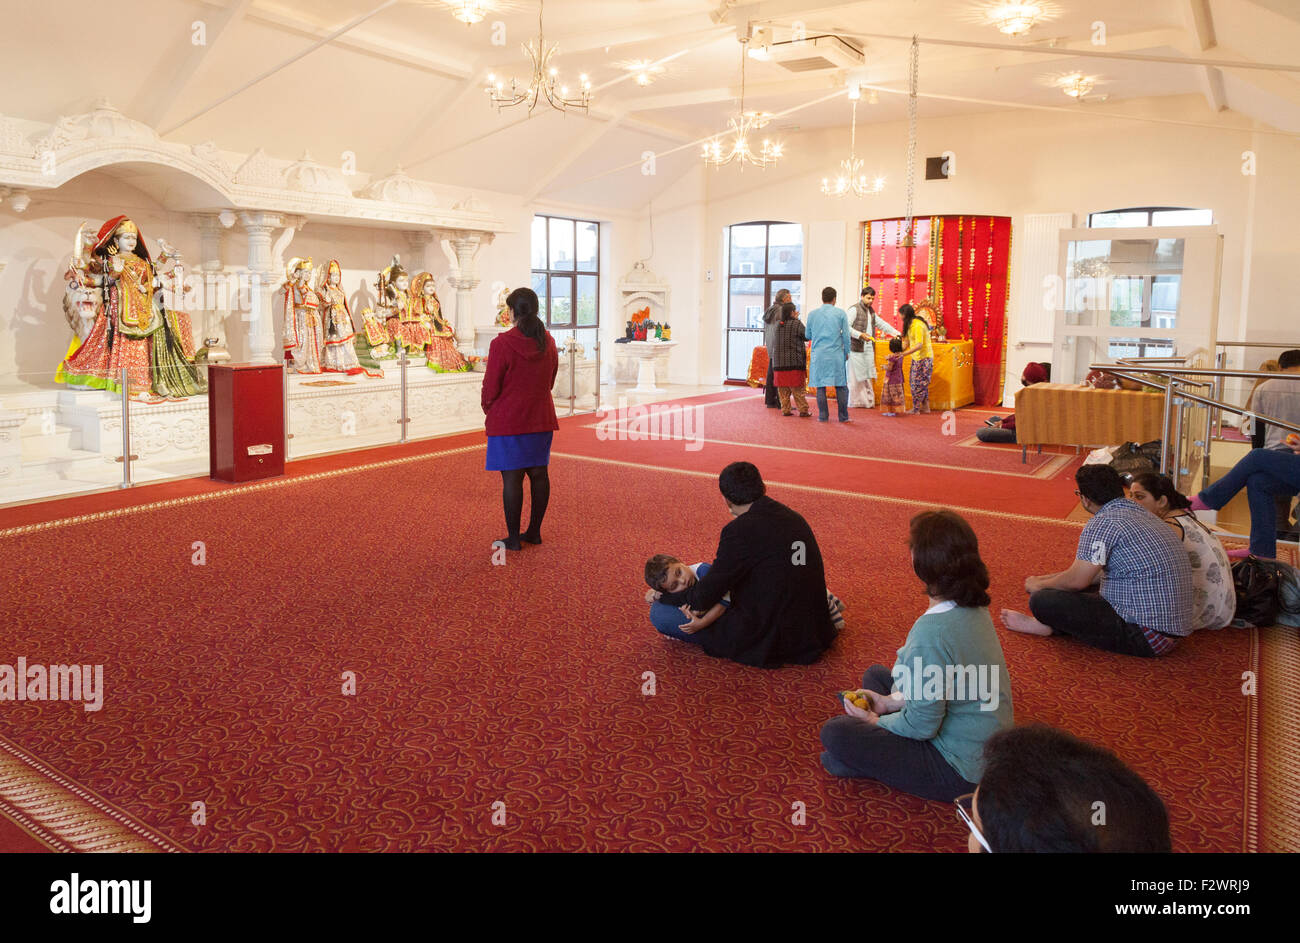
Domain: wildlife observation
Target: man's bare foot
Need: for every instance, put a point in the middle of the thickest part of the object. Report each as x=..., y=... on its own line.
x=1019, y=622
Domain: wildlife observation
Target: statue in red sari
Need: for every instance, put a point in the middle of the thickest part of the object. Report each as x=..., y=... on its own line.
x=441, y=349
x=135, y=331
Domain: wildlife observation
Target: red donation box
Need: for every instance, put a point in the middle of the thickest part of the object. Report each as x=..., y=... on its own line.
x=245, y=421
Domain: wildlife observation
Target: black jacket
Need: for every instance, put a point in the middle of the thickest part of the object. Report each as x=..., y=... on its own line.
x=768, y=559
x=771, y=317
x=787, y=351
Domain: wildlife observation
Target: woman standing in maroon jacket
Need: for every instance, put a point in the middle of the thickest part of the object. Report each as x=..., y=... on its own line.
x=521, y=367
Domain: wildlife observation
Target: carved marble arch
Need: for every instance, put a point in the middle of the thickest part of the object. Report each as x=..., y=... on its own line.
x=177, y=185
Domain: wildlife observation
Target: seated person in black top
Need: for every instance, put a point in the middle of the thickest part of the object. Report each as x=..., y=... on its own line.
x=1044, y=790
x=769, y=565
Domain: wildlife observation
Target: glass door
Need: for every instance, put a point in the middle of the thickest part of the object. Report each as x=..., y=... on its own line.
x=1139, y=292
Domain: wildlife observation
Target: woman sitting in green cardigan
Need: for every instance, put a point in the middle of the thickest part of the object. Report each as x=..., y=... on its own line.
x=924, y=724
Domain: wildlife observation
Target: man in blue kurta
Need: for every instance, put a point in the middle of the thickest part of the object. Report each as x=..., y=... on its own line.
x=830, y=332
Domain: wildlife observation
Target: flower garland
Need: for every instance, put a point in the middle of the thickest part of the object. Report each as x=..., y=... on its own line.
x=961, y=237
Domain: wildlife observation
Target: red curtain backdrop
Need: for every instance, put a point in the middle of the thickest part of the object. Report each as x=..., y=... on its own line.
x=962, y=264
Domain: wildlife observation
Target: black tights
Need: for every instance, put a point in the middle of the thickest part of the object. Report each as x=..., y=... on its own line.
x=512, y=498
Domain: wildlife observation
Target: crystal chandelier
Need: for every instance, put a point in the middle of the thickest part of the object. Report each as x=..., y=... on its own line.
x=469, y=12
x=851, y=179
x=1015, y=19
x=1076, y=85
x=545, y=81
x=732, y=145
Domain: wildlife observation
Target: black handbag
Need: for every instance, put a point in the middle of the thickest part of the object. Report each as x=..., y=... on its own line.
x=1129, y=459
x=1258, y=585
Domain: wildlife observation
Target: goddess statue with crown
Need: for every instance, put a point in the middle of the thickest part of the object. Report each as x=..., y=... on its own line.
x=441, y=348
x=346, y=351
x=401, y=318
x=136, y=331
x=304, y=339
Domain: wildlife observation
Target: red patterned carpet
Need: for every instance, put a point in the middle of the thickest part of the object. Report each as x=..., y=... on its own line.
x=933, y=458
x=522, y=684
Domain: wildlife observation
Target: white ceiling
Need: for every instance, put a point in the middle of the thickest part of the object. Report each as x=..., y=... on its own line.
x=405, y=84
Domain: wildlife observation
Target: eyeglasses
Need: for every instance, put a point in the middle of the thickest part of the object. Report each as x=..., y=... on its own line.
x=966, y=809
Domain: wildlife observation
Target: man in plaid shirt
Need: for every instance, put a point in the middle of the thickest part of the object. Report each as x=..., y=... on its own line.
x=1145, y=601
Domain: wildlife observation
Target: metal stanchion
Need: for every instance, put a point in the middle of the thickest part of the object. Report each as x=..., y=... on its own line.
x=401, y=360
x=1218, y=394
x=284, y=393
x=598, y=373
x=1164, y=426
x=126, y=427
x=1177, y=454
x=572, y=348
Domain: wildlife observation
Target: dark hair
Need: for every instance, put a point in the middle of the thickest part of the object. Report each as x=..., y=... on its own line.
x=907, y=313
x=828, y=295
x=787, y=311
x=1161, y=486
x=1043, y=789
x=869, y=291
x=1289, y=359
x=895, y=345
x=783, y=291
x=1100, y=484
x=946, y=557
x=523, y=303
x=656, y=569
x=740, y=483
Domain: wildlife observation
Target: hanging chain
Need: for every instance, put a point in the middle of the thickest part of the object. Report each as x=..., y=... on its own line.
x=911, y=136
x=853, y=135
x=744, y=43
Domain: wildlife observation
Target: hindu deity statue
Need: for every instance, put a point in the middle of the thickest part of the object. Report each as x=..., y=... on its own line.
x=505, y=318
x=346, y=351
x=304, y=339
x=403, y=322
x=136, y=331
x=441, y=350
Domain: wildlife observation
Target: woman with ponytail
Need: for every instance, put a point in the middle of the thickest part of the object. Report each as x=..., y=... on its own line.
x=521, y=367
x=1215, y=599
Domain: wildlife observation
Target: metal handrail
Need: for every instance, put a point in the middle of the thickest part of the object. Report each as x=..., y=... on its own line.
x=1133, y=367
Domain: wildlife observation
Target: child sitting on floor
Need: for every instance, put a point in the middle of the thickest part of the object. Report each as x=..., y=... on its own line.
x=891, y=396
x=669, y=579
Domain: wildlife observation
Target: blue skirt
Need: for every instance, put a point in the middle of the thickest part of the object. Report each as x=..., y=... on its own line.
x=509, y=452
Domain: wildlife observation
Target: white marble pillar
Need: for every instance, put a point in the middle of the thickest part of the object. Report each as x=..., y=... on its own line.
x=419, y=241
x=261, y=319
x=215, y=297
x=464, y=278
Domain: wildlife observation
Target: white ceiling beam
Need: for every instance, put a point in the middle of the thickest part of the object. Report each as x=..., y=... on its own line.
x=159, y=97
x=381, y=48
x=726, y=93
x=1200, y=30
x=584, y=144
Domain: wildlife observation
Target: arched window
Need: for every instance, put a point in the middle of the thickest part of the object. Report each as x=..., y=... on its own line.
x=762, y=258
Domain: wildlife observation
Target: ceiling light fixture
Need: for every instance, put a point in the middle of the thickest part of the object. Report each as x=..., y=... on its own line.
x=469, y=12
x=1015, y=19
x=1077, y=85
x=851, y=179
x=544, y=83
x=732, y=145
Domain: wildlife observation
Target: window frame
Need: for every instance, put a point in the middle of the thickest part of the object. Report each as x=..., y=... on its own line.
x=570, y=275
x=1150, y=212
x=765, y=276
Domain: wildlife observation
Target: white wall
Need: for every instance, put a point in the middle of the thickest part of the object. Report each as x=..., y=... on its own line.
x=1015, y=163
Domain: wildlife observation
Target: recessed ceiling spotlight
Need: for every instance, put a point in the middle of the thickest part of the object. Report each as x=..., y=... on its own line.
x=644, y=71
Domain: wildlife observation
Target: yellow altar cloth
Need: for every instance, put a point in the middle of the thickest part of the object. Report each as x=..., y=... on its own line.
x=953, y=382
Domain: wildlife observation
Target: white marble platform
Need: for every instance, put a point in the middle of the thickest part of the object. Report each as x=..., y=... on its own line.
x=56, y=442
